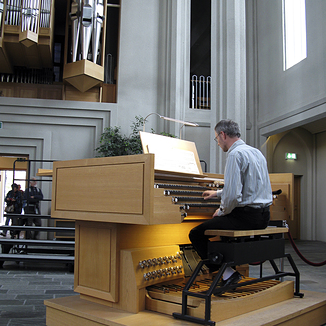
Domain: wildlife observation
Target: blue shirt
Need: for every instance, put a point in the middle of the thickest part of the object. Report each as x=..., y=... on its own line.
x=246, y=179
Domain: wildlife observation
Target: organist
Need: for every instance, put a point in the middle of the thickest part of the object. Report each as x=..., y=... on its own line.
x=245, y=198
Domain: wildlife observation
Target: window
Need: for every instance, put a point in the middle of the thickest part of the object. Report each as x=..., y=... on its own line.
x=200, y=54
x=294, y=32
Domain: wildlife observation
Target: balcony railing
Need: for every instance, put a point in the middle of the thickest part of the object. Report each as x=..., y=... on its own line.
x=200, y=92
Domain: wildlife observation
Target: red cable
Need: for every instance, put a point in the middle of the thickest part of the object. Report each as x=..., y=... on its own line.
x=300, y=255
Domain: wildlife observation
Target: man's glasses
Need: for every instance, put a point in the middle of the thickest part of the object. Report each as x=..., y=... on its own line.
x=217, y=136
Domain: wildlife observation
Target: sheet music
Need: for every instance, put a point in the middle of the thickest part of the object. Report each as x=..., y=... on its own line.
x=174, y=159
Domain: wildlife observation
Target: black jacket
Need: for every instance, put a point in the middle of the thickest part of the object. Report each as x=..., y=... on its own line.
x=17, y=202
x=32, y=203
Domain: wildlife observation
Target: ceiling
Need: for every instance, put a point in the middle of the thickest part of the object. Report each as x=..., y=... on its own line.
x=316, y=126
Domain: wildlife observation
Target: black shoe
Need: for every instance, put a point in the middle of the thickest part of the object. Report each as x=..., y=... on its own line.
x=233, y=279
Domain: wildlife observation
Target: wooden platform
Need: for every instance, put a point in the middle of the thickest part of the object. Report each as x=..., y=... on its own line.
x=310, y=310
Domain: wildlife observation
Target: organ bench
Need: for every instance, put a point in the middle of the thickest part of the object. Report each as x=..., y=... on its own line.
x=233, y=248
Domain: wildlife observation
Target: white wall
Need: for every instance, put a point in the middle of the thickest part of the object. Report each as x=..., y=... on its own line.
x=153, y=69
x=138, y=61
x=278, y=102
x=320, y=186
x=311, y=165
x=291, y=98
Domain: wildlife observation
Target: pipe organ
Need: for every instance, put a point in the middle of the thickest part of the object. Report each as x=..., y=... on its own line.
x=26, y=42
x=86, y=20
x=26, y=38
x=132, y=248
x=85, y=44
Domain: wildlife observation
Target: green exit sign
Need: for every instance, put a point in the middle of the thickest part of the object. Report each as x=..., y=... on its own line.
x=290, y=156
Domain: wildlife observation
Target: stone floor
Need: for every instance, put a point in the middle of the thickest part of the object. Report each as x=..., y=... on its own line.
x=23, y=286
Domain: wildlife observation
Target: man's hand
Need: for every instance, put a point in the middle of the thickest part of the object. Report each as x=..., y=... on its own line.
x=216, y=212
x=208, y=194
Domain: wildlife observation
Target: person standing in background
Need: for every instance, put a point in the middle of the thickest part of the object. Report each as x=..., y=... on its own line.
x=14, y=201
x=32, y=197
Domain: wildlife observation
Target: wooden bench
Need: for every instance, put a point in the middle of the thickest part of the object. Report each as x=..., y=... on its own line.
x=247, y=233
x=233, y=248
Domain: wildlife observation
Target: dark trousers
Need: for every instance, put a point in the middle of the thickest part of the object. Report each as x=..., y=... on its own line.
x=34, y=210
x=29, y=222
x=241, y=218
x=15, y=221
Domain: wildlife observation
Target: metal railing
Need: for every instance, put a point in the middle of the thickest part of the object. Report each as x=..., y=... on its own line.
x=200, y=92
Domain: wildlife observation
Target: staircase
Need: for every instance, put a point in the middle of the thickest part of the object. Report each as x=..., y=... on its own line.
x=14, y=247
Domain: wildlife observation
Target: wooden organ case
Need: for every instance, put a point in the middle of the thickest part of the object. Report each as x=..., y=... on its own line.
x=132, y=226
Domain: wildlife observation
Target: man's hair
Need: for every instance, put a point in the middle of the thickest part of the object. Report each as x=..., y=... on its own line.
x=230, y=127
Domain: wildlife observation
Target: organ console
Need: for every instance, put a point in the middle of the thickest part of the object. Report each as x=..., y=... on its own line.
x=132, y=253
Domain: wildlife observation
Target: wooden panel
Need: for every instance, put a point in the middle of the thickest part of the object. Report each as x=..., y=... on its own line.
x=140, y=236
x=164, y=210
x=75, y=191
x=7, y=89
x=109, y=93
x=66, y=311
x=285, y=182
x=26, y=90
x=111, y=189
x=83, y=74
x=295, y=224
x=65, y=224
x=44, y=172
x=73, y=94
x=50, y=92
x=96, y=260
x=6, y=163
x=132, y=282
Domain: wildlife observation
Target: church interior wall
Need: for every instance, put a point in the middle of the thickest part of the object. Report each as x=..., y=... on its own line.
x=298, y=141
x=319, y=196
x=138, y=79
x=301, y=88
x=280, y=102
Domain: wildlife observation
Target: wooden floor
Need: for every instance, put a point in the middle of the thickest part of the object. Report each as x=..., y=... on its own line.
x=309, y=310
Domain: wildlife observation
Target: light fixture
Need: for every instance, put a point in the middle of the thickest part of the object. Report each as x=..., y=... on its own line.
x=184, y=123
x=290, y=156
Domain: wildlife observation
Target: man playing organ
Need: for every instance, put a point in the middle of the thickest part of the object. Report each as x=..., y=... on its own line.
x=245, y=197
